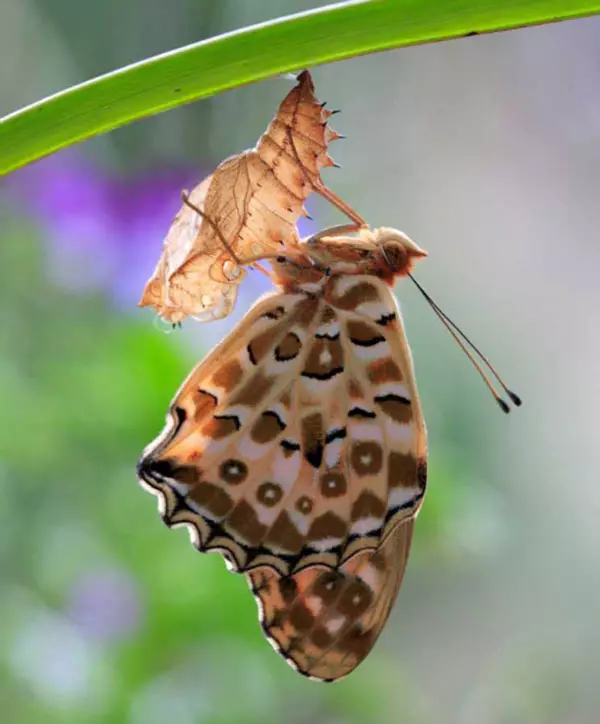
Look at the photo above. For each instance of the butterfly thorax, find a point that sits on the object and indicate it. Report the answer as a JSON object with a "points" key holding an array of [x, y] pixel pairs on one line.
{"points": [[385, 253]]}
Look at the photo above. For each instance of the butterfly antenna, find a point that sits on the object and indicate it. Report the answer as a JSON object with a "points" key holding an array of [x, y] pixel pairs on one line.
{"points": [[459, 336]]}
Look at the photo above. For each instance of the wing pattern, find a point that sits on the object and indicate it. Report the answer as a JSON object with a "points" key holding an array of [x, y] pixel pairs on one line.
{"points": [[299, 441]]}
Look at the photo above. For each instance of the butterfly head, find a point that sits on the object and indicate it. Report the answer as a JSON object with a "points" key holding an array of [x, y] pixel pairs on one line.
{"points": [[396, 253]]}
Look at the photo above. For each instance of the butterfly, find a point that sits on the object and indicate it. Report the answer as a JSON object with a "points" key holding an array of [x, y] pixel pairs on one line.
{"points": [[297, 449]]}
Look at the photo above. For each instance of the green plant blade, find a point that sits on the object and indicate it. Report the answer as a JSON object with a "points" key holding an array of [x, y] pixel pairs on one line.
{"points": [[319, 36]]}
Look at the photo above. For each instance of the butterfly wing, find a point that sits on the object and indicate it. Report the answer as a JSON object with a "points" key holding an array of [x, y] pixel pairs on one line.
{"points": [[299, 440], [324, 623]]}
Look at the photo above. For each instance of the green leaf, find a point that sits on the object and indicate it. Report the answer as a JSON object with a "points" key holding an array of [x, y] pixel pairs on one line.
{"points": [[343, 30]]}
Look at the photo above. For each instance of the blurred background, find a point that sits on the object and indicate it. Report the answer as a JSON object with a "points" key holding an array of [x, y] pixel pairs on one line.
{"points": [[486, 151]]}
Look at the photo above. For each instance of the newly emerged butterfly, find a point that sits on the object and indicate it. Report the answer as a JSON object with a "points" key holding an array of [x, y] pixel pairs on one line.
{"points": [[297, 448]]}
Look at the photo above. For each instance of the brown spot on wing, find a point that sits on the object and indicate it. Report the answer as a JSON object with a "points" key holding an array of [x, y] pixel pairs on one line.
{"points": [[357, 641], [328, 586], [357, 294], [304, 505], [204, 404], [313, 439], [222, 426], [321, 638], [325, 359], [396, 407], [244, 522], [333, 484], [402, 470], [284, 534], [213, 498], [328, 315], [327, 525], [253, 392], [363, 334], [355, 600], [269, 494], [267, 427], [306, 311], [259, 346], [367, 505], [288, 348], [233, 471], [301, 618], [228, 375], [384, 370], [366, 457]]}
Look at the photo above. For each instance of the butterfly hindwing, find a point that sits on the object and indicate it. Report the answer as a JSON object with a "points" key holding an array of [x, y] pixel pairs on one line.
{"points": [[324, 623]]}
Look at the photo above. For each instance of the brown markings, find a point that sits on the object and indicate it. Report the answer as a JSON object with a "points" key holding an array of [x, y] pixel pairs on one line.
{"points": [[367, 505], [213, 498], [288, 348], [275, 313], [328, 586], [233, 472], [204, 403], [186, 474], [327, 525], [284, 534], [306, 312], [266, 428], [363, 333], [269, 494], [286, 400], [333, 362], [321, 638], [402, 470], [384, 370], [301, 618], [355, 600], [304, 505], [328, 316], [366, 457], [260, 346], [357, 641], [396, 408], [219, 427], [378, 561], [288, 589], [312, 438], [253, 391], [244, 522], [228, 375], [358, 294], [333, 484]]}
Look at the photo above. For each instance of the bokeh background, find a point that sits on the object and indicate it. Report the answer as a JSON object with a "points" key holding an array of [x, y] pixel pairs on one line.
{"points": [[486, 151]]}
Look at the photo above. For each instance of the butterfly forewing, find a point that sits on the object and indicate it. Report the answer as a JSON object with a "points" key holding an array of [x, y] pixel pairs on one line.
{"points": [[299, 441], [324, 623]]}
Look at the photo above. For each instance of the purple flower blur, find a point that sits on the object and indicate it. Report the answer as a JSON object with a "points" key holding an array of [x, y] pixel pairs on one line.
{"points": [[104, 605], [104, 232]]}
